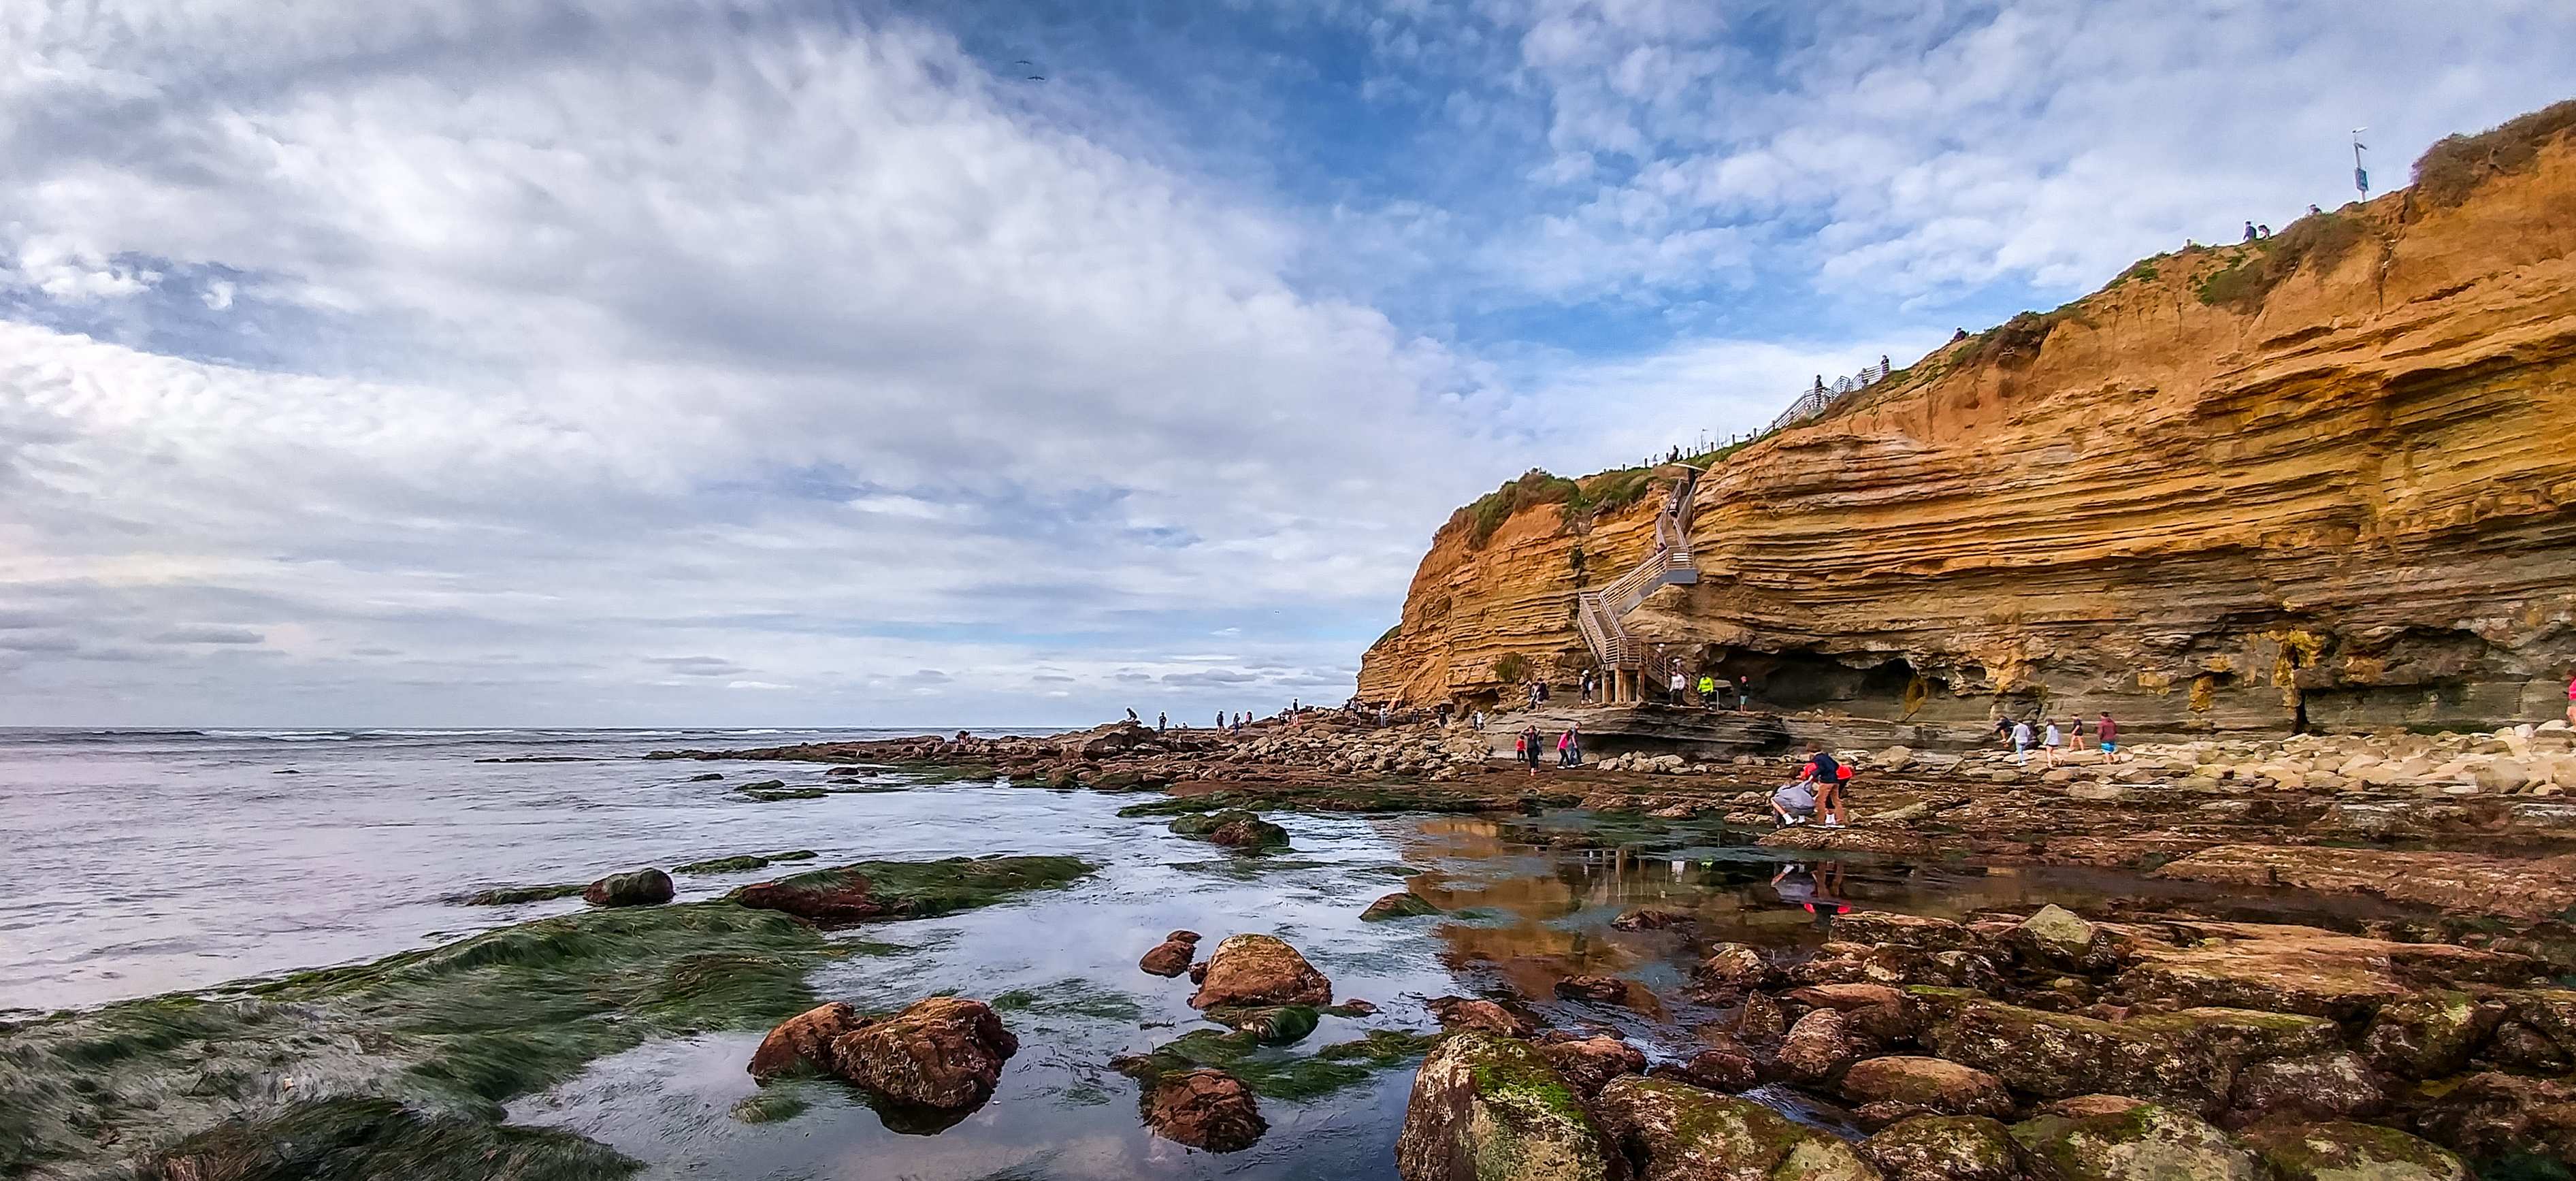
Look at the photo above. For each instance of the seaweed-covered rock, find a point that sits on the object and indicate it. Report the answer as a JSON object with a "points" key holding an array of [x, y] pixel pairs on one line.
{"points": [[1931, 1085], [804, 1042], [917, 889], [1260, 970], [1204, 1108], [2428, 1036], [1271, 1025], [1945, 1148], [643, 887], [1681, 1133], [1727, 1067], [2315, 1086], [2350, 1152], [1172, 956], [1462, 1013], [1588, 1064], [940, 1052], [2149, 1142], [1761, 1019], [1250, 833], [1403, 904], [1492, 1109], [2058, 937]]}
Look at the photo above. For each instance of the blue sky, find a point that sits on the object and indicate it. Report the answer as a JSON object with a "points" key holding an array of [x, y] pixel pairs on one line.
{"points": [[788, 362]]}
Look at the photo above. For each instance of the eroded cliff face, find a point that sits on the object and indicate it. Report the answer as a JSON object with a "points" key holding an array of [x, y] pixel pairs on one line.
{"points": [[2347, 501]]}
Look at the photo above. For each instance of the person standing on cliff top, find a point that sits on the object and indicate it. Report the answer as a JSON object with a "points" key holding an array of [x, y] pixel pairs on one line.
{"points": [[2249, 231], [1162, 721]]}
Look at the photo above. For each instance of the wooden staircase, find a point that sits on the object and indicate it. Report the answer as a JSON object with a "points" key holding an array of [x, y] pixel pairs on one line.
{"points": [[1597, 613]]}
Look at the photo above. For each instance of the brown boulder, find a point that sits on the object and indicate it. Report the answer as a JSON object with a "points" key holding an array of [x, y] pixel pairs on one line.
{"points": [[1171, 957], [1945, 1148], [1761, 1019], [1816, 1047], [942, 1052], [804, 1041], [1677, 1132], [1921, 932], [1930, 1085], [1728, 1068], [1588, 1064], [1491, 1107], [1260, 970], [2493, 1114], [1460, 1013], [1204, 1108], [846, 899], [2429, 1036], [2317, 1086], [1647, 918], [643, 887], [1733, 966]]}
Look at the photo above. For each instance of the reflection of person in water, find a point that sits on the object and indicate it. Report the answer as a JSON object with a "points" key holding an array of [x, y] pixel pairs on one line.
{"points": [[1820, 890]]}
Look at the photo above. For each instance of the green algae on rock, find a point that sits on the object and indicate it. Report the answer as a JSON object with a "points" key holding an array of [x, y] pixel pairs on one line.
{"points": [[739, 862], [1492, 1107], [1682, 1132], [1275, 1073], [1403, 904], [1948, 1147], [2342, 1151], [908, 889], [2148, 1142], [353, 1139], [514, 895]]}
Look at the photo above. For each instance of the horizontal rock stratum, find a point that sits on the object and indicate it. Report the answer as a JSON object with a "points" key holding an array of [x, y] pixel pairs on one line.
{"points": [[2325, 475]]}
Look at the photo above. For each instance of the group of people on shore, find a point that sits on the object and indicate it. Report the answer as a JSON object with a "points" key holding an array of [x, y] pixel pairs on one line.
{"points": [[1818, 790], [2051, 737], [1532, 747]]}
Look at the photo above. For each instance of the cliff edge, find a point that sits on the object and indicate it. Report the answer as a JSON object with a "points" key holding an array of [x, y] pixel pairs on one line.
{"points": [[2324, 479]]}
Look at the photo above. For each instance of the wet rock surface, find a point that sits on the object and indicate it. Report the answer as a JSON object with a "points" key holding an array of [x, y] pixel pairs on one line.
{"points": [[1260, 970], [1490, 1107], [643, 887], [1172, 956], [943, 1052], [1205, 1108]]}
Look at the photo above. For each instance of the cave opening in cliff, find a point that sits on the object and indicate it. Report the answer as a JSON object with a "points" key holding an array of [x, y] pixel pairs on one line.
{"points": [[1801, 680]]}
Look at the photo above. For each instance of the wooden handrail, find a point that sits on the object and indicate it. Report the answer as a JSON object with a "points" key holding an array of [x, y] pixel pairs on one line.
{"points": [[1597, 612]]}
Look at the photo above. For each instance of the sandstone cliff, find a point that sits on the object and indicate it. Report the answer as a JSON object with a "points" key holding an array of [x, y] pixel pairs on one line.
{"points": [[2325, 479]]}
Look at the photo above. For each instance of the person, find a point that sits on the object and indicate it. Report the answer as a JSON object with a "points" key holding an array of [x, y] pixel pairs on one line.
{"points": [[2249, 231], [1220, 719], [2106, 734], [1565, 748], [1680, 684], [2075, 735], [2021, 741], [2571, 699], [1530, 742], [1542, 692], [2050, 742], [1132, 719], [2314, 209], [1827, 775], [1476, 720], [1162, 721], [2003, 729], [1533, 694], [2263, 231], [1707, 691], [1794, 803], [1381, 714]]}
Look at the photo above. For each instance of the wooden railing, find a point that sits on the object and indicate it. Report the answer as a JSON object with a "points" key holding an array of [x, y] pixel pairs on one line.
{"points": [[1597, 612]]}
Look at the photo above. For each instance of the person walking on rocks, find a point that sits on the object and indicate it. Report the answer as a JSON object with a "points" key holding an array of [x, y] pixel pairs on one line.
{"points": [[2021, 741], [2106, 733], [1569, 747], [2050, 742], [1530, 742], [2075, 735]]}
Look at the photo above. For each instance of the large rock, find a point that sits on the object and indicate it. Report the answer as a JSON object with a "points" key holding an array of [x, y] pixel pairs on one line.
{"points": [[1602, 990], [1487, 1108], [1588, 1064], [2492, 1114], [2055, 936], [1260, 970], [1204, 1108], [1905, 930], [643, 887], [803, 1043], [1457, 1013], [943, 1052], [1249, 833], [1403, 904], [1929, 1085], [2350, 1152], [2428, 1036], [2339, 1085], [1172, 956], [1945, 1148], [2149, 1142], [1679, 1132], [2188, 1057], [2296, 969], [1817, 1046], [1733, 966]]}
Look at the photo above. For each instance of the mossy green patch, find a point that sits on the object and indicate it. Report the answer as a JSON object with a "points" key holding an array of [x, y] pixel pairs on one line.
{"points": [[380, 1140], [923, 889], [739, 862], [1072, 996], [1278, 1074], [775, 1102], [514, 895]]}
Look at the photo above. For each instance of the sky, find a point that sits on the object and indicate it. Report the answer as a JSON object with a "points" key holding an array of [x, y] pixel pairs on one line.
{"points": [[820, 363]]}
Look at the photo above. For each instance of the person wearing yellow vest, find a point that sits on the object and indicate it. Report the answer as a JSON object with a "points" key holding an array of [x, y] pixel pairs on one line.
{"points": [[1707, 691]]}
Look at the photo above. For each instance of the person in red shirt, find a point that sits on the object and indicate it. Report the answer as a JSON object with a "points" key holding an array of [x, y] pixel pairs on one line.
{"points": [[2106, 734], [1826, 776]]}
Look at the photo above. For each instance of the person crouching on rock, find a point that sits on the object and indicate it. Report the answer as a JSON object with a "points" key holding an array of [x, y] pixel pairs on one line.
{"points": [[1825, 776], [1794, 803]]}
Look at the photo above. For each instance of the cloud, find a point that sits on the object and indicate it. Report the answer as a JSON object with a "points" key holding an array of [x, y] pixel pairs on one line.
{"points": [[696, 666], [206, 634]]}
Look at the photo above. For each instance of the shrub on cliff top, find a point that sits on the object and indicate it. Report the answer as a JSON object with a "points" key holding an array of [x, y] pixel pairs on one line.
{"points": [[1488, 512], [2456, 165], [2318, 241]]}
